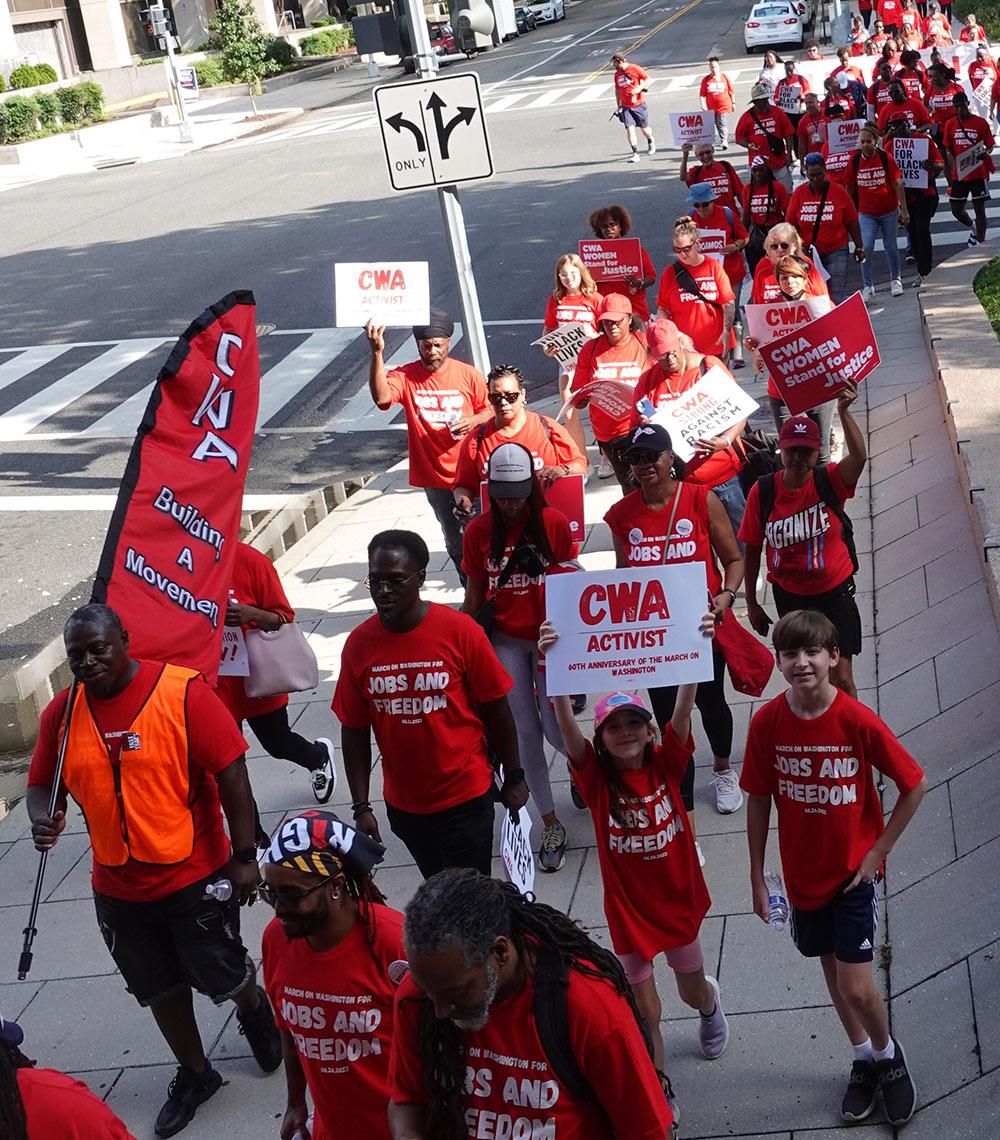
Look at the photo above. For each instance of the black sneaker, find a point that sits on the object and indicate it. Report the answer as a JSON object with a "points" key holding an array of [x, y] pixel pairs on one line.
{"points": [[579, 703], [899, 1094], [187, 1090], [262, 1036], [862, 1092]]}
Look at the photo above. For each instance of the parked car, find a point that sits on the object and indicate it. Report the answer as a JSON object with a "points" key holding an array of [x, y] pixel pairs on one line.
{"points": [[774, 22], [526, 20], [442, 39], [548, 11]]}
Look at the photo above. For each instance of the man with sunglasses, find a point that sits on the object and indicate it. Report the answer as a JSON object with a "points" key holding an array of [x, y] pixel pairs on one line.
{"points": [[332, 958], [826, 217], [426, 682]]}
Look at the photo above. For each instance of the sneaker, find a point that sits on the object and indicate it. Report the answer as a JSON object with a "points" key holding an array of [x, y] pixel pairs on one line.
{"points": [[722, 146], [670, 1097], [868, 294], [552, 853], [899, 1094], [862, 1092], [973, 241], [701, 857], [651, 149], [896, 287], [910, 259], [262, 1036], [579, 703], [605, 471], [635, 157], [324, 779], [186, 1091], [713, 1028], [728, 796], [919, 281]]}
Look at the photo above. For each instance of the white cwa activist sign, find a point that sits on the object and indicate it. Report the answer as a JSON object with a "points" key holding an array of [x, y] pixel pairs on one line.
{"points": [[692, 127], [711, 406], [394, 293]]}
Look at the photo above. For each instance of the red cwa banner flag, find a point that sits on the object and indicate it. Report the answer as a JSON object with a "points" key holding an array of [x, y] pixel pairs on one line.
{"points": [[168, 558]]}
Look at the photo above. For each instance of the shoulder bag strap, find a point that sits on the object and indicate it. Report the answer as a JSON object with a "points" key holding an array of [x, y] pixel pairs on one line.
{"points": [[673, 514], [819, 214], [683, 275]]}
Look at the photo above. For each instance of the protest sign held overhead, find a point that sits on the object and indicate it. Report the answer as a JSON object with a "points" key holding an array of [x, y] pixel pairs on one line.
{"points": [[612, 259], [910, 154], [168, 558], [709, 407], [627, 628], [692, 127], [814, 364], [842, 135], [393, 293], [567, 340]]}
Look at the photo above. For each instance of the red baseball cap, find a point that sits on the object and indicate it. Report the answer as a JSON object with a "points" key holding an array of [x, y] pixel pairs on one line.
{"points": [[614, 305], [662, 337], [799, 431]]}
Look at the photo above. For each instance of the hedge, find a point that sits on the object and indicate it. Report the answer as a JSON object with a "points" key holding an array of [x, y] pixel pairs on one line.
{"points": [[987, 12], [32, 75], [328, 42], [47, 105], [209, 72], [25, 116]]}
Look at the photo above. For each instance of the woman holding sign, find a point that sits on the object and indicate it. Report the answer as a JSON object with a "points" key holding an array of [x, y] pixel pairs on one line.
{"points": [[668, 521], [506, 554], [921, 201], [611, 223]]}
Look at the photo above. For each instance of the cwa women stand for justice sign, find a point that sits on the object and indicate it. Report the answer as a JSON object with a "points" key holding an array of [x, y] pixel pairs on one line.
{"points": [[626, 629]]}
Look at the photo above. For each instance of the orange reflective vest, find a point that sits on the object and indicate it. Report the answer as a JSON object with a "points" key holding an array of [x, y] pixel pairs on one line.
{"points": [[135, 791]]}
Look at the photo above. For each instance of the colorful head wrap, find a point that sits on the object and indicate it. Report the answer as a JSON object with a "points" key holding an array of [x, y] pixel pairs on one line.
{"points": [[319, 843]]}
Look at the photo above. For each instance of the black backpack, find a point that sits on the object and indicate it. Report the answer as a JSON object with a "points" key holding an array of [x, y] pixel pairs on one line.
{"points": [[826, 494]]}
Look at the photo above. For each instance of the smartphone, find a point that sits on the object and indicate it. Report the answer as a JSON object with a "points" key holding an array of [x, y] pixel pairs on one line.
{"points": [[646, 408]]}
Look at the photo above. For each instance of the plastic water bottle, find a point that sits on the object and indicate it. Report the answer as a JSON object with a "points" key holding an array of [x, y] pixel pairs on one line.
{"points": [[778, 914], [221, 890]]}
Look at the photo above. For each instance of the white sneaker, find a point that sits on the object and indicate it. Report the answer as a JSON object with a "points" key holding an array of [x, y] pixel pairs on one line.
{"points": [[973, 240], [868, 294], [728, 796], [701, 857], [651, 149], [605, 471], [896, 287], [324, 779], [635, 157]]}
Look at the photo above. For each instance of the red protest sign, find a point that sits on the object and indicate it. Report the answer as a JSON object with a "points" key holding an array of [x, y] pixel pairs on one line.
{"points": [[168, 558], [814, 363], [612, 259]]}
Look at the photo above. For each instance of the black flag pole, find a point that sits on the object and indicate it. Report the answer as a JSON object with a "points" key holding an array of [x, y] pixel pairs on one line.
{"points": [[24, 962]]}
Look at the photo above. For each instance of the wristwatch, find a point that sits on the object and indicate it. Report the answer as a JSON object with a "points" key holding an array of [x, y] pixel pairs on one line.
{"points": [[247, 855]]}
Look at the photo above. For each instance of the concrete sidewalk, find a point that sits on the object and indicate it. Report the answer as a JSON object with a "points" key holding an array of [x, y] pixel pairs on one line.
{"points": [[931, 667]]}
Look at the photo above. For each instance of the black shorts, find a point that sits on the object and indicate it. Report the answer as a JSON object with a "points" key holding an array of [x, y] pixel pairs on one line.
{"points": [[635, 116], [838, 605], [845, 927], [181, 940], [973, 188], [459, 836]]}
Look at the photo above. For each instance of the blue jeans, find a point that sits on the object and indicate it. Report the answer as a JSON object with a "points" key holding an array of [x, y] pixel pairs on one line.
{"points": [[835, 263], [733, 499], [871, 227]]}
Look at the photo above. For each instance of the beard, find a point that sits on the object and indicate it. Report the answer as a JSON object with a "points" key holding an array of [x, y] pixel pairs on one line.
{"points": [[478, 1020]]}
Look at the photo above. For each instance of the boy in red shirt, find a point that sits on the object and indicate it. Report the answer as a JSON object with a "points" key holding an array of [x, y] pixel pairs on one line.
{"points": [[813, 750], [631, 84], [967, 132]]}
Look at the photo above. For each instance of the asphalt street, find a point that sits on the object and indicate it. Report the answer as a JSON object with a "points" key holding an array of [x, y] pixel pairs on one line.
{"points": [[103, 270]]}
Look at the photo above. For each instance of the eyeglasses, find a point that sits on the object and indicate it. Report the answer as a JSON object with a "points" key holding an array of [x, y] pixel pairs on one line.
{"points": [[779, 245], [286, 895], [497, 399], [642, 455], [685, 248], [394, 582]]}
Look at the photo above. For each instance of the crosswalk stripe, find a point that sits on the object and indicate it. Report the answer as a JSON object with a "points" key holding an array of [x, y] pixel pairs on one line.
{"points": [[280, 383], [27, 361], [593, 93], [506, 101], [547, 98]]}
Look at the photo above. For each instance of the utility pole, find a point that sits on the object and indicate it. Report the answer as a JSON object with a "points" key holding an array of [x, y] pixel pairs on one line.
{"points": [[162, 26]]}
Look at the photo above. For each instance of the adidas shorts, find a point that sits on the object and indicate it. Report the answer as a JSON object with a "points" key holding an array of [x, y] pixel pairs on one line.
{"points": [[845, 927]]}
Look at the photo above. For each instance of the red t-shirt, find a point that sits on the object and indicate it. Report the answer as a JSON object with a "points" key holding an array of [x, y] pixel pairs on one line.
{"points": [[915, 83], [755, 203], [420, 693], [912, 110], [982, 71], [773, 122], [641, 532], [520, 605], [433, 400], [766, 290], [976, 35], [717, 93], [937, 25], [890, 12], [573, 309], [732, 227], [819, 773], [959, 135], [701, 320], [624, 362], [549, 443], [513, 1090], [338, 1007], [837, 164], [806, 552], [723, 179], [877, 97], [874, 182], [811, 132], [851, 71], [57, 1107], [838, 213], [654, 892], [214, 743], [640, 306], [627, 81], [255, 583]]}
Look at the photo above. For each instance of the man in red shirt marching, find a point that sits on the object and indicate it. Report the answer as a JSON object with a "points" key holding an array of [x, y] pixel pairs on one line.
{"points": [[151, 753], [767, 131], [631, 84], [961, 135]]}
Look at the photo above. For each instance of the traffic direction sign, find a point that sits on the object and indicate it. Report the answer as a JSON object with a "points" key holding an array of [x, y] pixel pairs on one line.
{"points": [[434, 132]]}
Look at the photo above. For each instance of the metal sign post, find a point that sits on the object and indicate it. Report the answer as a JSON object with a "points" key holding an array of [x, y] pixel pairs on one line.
{"points": [[163, 30]]}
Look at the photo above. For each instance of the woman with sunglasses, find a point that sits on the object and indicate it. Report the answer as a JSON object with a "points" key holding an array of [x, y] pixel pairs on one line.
{"points": [[782, 240], [333, 938], [518, 527], [555, 453], [696, 295], [667, 521]]}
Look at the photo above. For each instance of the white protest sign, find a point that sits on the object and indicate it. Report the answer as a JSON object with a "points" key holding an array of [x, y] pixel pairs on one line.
{"points": [[711, 406], [767, 322], [692, 127], [909, 154], [567, 340], [515, 851], [968, 160], [234, 661], [981, 97], [625, 629], [790, 98], [842, 134], [711, 243], [395, 293]]}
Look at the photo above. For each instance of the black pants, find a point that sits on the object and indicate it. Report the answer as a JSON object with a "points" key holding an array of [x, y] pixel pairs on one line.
{"points": [[716, 718], [277, 739], [922, 208], [459, 836], [442, 503], [866, 15]]}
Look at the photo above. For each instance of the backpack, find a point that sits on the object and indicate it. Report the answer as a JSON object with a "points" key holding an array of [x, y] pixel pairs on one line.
{"points": [[824, 489], [883, 157]]}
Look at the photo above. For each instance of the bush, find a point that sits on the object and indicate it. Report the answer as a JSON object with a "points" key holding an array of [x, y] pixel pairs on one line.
{"points": [[328, 42], [92, 98], [46, 73], [32, 75], [20, 119], [209, 72], [3, 82], [71, 105], [47, 104], [280, 51], [323, 21], [987, 12]]}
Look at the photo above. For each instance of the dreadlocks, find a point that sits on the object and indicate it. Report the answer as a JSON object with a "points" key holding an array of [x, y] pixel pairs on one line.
{"points": [[459, 906], [13, 1121], [365, 893]]}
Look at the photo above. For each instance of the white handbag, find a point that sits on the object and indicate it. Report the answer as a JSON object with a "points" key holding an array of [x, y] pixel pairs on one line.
{"points": [[280, 662]]}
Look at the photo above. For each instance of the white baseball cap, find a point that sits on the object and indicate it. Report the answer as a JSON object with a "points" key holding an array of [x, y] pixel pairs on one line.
{"points": [[510, 472]]}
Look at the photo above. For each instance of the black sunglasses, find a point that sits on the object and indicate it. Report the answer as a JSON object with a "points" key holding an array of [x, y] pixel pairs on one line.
{"points": [[499, 398], [640, 455]]}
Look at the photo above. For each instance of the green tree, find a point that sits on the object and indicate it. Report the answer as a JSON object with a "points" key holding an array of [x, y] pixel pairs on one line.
{"points": [[243, 44]]}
